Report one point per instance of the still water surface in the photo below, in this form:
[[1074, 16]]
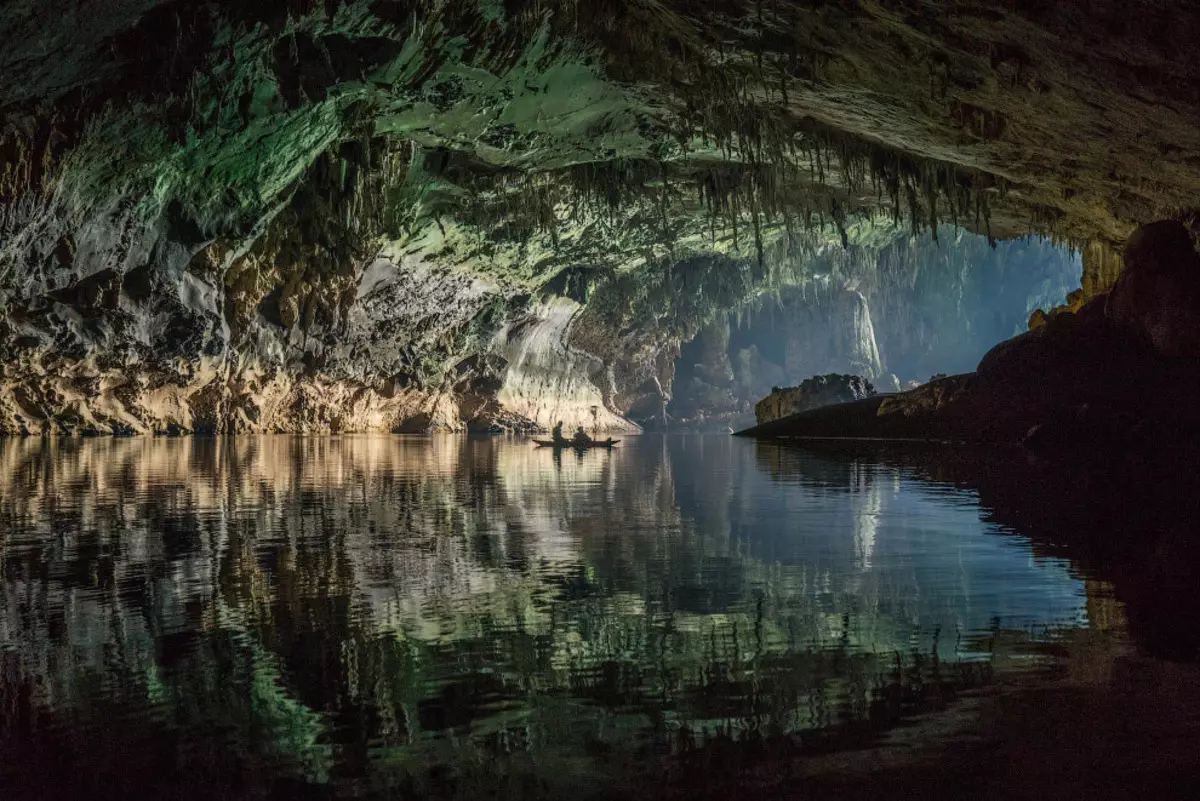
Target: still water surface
[[458, 617]]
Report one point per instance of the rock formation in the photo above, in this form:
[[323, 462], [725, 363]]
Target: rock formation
[[1157, 298], [291, 215], [893, 316], [818, 391], [1118, 374], [846, 336]]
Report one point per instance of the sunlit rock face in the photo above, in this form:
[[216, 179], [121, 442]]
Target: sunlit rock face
[[835, 330], [546, 380], [196, 197]]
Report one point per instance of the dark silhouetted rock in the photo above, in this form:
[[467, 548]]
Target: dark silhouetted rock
[[940, 392], [1157, 297], [1067, 348]]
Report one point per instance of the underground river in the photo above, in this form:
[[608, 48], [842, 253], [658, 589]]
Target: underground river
[[684, 616]]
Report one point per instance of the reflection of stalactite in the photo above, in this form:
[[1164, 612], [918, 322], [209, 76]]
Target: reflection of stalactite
[[869, 495], [380, 573]]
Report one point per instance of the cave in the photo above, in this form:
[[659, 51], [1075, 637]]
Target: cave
[[894, 317], [876, 321]]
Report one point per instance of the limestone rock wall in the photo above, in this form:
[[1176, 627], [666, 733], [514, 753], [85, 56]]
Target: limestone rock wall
[[836, 332], [546, 380], [894, 314]]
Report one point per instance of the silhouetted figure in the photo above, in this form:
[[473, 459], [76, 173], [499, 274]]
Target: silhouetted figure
[[581, 437], [557, 434]]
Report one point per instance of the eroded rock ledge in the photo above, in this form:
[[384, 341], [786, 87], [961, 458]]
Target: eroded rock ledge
[[813, 393]]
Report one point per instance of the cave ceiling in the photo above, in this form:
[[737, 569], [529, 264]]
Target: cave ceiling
[[1072, 118]]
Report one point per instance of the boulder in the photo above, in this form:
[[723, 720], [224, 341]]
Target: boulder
[[1068, 349], [939, 393], [1156, 299], [813, 393]]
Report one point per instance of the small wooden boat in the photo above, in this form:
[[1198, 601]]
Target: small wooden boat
[[562, 446]]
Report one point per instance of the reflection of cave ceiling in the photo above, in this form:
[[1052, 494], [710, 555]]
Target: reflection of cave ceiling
[[559, 558], [291, 214]]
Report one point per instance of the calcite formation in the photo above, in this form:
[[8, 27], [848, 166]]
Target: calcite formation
[[367, 214]]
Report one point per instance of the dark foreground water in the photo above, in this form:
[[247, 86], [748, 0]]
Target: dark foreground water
[[473, 618]]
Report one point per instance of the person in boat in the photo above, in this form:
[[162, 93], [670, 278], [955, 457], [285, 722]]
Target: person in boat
[[581, 437], [557, 434]]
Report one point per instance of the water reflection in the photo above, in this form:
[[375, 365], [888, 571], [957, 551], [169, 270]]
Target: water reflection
[[443, 616]]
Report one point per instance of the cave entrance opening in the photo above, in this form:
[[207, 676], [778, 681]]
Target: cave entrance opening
[[896, 318]]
